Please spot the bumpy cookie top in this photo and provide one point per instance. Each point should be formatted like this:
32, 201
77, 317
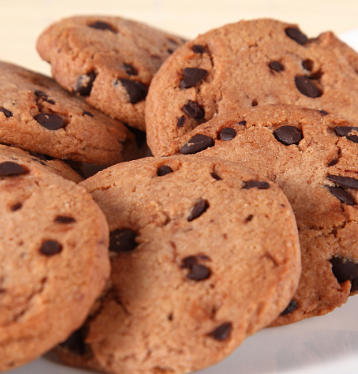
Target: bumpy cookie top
246, 64
53, 256
203, 253
312, 156
36, 114
109, 60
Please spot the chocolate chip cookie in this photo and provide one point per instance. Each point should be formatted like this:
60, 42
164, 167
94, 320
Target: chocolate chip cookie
53, 256
311, 155
108, 60
38, 115
204, 253
246, 64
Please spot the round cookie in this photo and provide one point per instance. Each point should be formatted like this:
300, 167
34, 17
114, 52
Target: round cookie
204, 253
38, 115
246, 64
109, 60
312, 156
53, 256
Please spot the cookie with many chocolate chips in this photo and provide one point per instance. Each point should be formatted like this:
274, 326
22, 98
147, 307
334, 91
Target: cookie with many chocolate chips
246, 64
38, 115
53, 256
312, 156
108, 60
201, 256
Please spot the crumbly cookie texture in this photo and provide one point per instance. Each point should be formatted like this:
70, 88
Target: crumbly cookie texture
204, 253
312, 156
108, 60
38, 115
53, 255
246, 64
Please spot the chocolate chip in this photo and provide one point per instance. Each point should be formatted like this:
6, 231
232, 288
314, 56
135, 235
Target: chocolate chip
8, 168
16, 206
50, 248
254, 102
130, 70
197, 48
241, 123
192, 76
307, 64
188, 262
276, 66
76, 342
100, 25
346, 131
291, 307
222, 332
249, 218
227, 133
341, 195
84, 83
197, 144
288, 135
333, 162
354, 285
164, 170
215, 176
50, 121
194, 110
87, 113
307, 87
7, 113
181, 121
43, 95
122, 240
199, 208
323, 112
344, 269
64, 219
137, 91
199, 272
256, 184
344, 181
297, 35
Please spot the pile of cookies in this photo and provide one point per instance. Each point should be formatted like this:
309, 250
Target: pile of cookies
246, 216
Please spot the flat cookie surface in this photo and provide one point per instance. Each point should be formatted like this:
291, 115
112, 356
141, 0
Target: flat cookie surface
109, 60
246, 64
204, 253
312, 156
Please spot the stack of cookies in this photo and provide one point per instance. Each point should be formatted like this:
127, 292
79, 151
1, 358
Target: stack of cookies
245, 217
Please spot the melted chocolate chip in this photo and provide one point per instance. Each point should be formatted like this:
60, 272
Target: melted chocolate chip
291, 307
307, 64
197, 144
84, 83
9, 168
130, 70
341, 195
43, 95
344, 269
50, 248
215, 176
222, 332
137, 91
6, 112
227, 133
323, 112
288, 135
199, 208
87, 113
192, 76
344, 181
16, 206
242, 123
50, 121
122, 240
333, 162
100, 25
297, 35
194, 110
164, 170
76, 342
256, 184
197, 48
347, 132
276, 66
307, 87
181, 121
64, 219
199, 272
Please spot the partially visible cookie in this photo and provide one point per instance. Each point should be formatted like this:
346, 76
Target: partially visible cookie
204, 253
53, 256
108, 60
38, 115
312, 156
246, 64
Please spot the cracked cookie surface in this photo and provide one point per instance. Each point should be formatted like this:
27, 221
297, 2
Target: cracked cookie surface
312, 156
204, 253
53, 258
108, 60
249, 63
38, 115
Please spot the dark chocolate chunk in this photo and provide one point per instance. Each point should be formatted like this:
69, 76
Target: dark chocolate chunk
100, 25
276, 66
228, 133
333, 162
198, 272
257, 184
43, 95
84, 83
347, 132
222, 332
344, 269
288, 135
50, 248
307, 64
215, 176
130, 70
341, 195
297, 35
192, 76
16, 206
164, 170
7, 113
64, 219
76, 342
137, 91
199, 208
194, 110
198, 48
241, 123
197, 144
291, 307
122, 240
50, 121
323, 112
344, 181
8, 168
307, 87
87, 113
181, 121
